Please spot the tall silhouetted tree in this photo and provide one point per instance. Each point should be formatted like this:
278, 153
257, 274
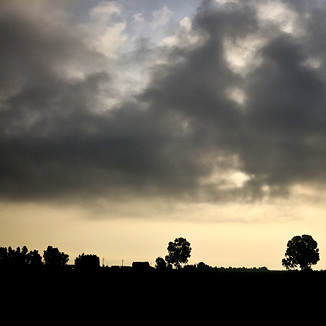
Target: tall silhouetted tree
3, 256
12, 254
178, 252
87, 262
302, 251
54, 258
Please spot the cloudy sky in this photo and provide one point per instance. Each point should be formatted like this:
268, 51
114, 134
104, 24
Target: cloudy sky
124, 124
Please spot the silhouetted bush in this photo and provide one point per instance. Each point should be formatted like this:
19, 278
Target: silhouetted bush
87, 262
160, 264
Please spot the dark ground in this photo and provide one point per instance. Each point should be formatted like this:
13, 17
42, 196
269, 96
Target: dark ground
171, 297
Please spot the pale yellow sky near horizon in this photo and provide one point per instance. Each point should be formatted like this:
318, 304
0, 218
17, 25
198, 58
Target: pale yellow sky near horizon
227, 235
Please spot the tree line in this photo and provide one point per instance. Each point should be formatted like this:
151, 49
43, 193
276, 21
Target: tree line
302, 251
53, 258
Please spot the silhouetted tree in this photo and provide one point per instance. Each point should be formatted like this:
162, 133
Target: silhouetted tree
3, 256
178, 252
12, 256
54, 258
87, 262
301, 251
34, 258
22, 258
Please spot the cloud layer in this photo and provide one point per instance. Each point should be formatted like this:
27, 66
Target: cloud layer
230, 105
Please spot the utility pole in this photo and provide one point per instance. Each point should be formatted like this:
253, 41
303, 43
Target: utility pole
122, 262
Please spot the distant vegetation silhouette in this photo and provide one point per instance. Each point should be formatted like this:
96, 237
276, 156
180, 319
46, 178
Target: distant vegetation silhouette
19, 258
22, 258
302, 251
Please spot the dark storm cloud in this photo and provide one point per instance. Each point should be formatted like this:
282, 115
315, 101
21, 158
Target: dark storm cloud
286, 115
183, 135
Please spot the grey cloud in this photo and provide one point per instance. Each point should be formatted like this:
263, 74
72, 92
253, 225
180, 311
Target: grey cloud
182, 135
286, 116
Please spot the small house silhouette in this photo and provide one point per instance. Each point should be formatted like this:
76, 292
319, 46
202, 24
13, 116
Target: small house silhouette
141, 265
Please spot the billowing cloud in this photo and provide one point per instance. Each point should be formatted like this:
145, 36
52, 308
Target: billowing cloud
230, 106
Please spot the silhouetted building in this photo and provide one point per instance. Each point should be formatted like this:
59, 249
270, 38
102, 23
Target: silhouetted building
141, 265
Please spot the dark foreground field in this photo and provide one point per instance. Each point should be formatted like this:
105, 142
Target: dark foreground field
156, 284
164, 297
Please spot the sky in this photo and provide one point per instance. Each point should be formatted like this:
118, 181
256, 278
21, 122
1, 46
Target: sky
125, 124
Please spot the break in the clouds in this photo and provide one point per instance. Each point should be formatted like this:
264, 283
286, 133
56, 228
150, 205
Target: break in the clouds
223, 102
